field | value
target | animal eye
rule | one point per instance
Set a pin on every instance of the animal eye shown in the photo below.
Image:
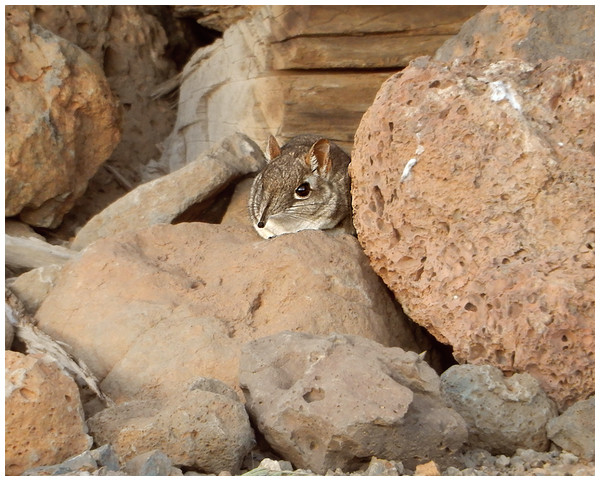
(303, 190)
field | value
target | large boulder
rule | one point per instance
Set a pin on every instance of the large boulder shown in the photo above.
(335, 402)
(174, 302)
(44, 418)
(62, 121)
(473, 191)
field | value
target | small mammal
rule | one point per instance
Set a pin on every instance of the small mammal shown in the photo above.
(305, 185)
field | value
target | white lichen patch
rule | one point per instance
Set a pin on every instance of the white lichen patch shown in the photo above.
(502, 91)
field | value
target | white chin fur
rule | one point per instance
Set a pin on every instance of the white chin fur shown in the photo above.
(275, 227)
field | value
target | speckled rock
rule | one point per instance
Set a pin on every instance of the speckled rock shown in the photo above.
(44, 422)
(574, 430)
(334, 402)
(197, 428)
(62, 121)
(502, 413)
(472, 188)
(529, 32)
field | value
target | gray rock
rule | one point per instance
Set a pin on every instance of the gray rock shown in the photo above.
(106, 457)
(573, 430)
(152, 463)
(334, 402)
(502, 413)
(82, 463)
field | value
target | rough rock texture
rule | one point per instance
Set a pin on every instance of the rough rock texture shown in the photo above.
(530, 32)
(32, 287)
(334, 402)
(502, 413)
(281, 71)
(43, 415)
(133, 64)
(215, 17)
(164, 199)
(573, 430)
(62, 121)
(473, 188)
(198, 428)
(200, 291)
(9, 333)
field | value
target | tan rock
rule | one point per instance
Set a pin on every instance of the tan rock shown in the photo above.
(427, 469)
(283, 65)
(197, 428)
(530, 32)
(33, 286)
(333, 402)
(201, 291)
(62, 121)
(473, 187)
(44, 422)
(164, 199)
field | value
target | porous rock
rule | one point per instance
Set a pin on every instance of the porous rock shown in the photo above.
(334, 402)
(62, 121)
(197, 428)
(472, 185)
(44, 422)
(200, 291)
(574, 430)
(164, 199)
(502, 413)
(530, 32)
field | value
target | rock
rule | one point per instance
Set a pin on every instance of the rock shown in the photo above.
(215, 17)
(329, 402)
(198, 429)
(427, 469)
(44, 421)
(164, 199)
(471, 187)
(502, 413)
(573, 430)
(15, 228)
(82, 464)
(33, 286)
(105, 456)
(9, 333)
(133, 64)
(201, 291)
(299, 69)
(62, 121)
(152, 463)
(530, 32)
(382, 467)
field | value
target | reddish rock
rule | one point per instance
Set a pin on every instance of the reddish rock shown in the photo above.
(44, 422)
(200, 292)
(473, 191)
(62, 121)
(529, 32)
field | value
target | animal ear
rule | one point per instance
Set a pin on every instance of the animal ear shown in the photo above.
(318, 157)
(273, 149)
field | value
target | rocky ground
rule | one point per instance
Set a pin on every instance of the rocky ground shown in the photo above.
(525, 462)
